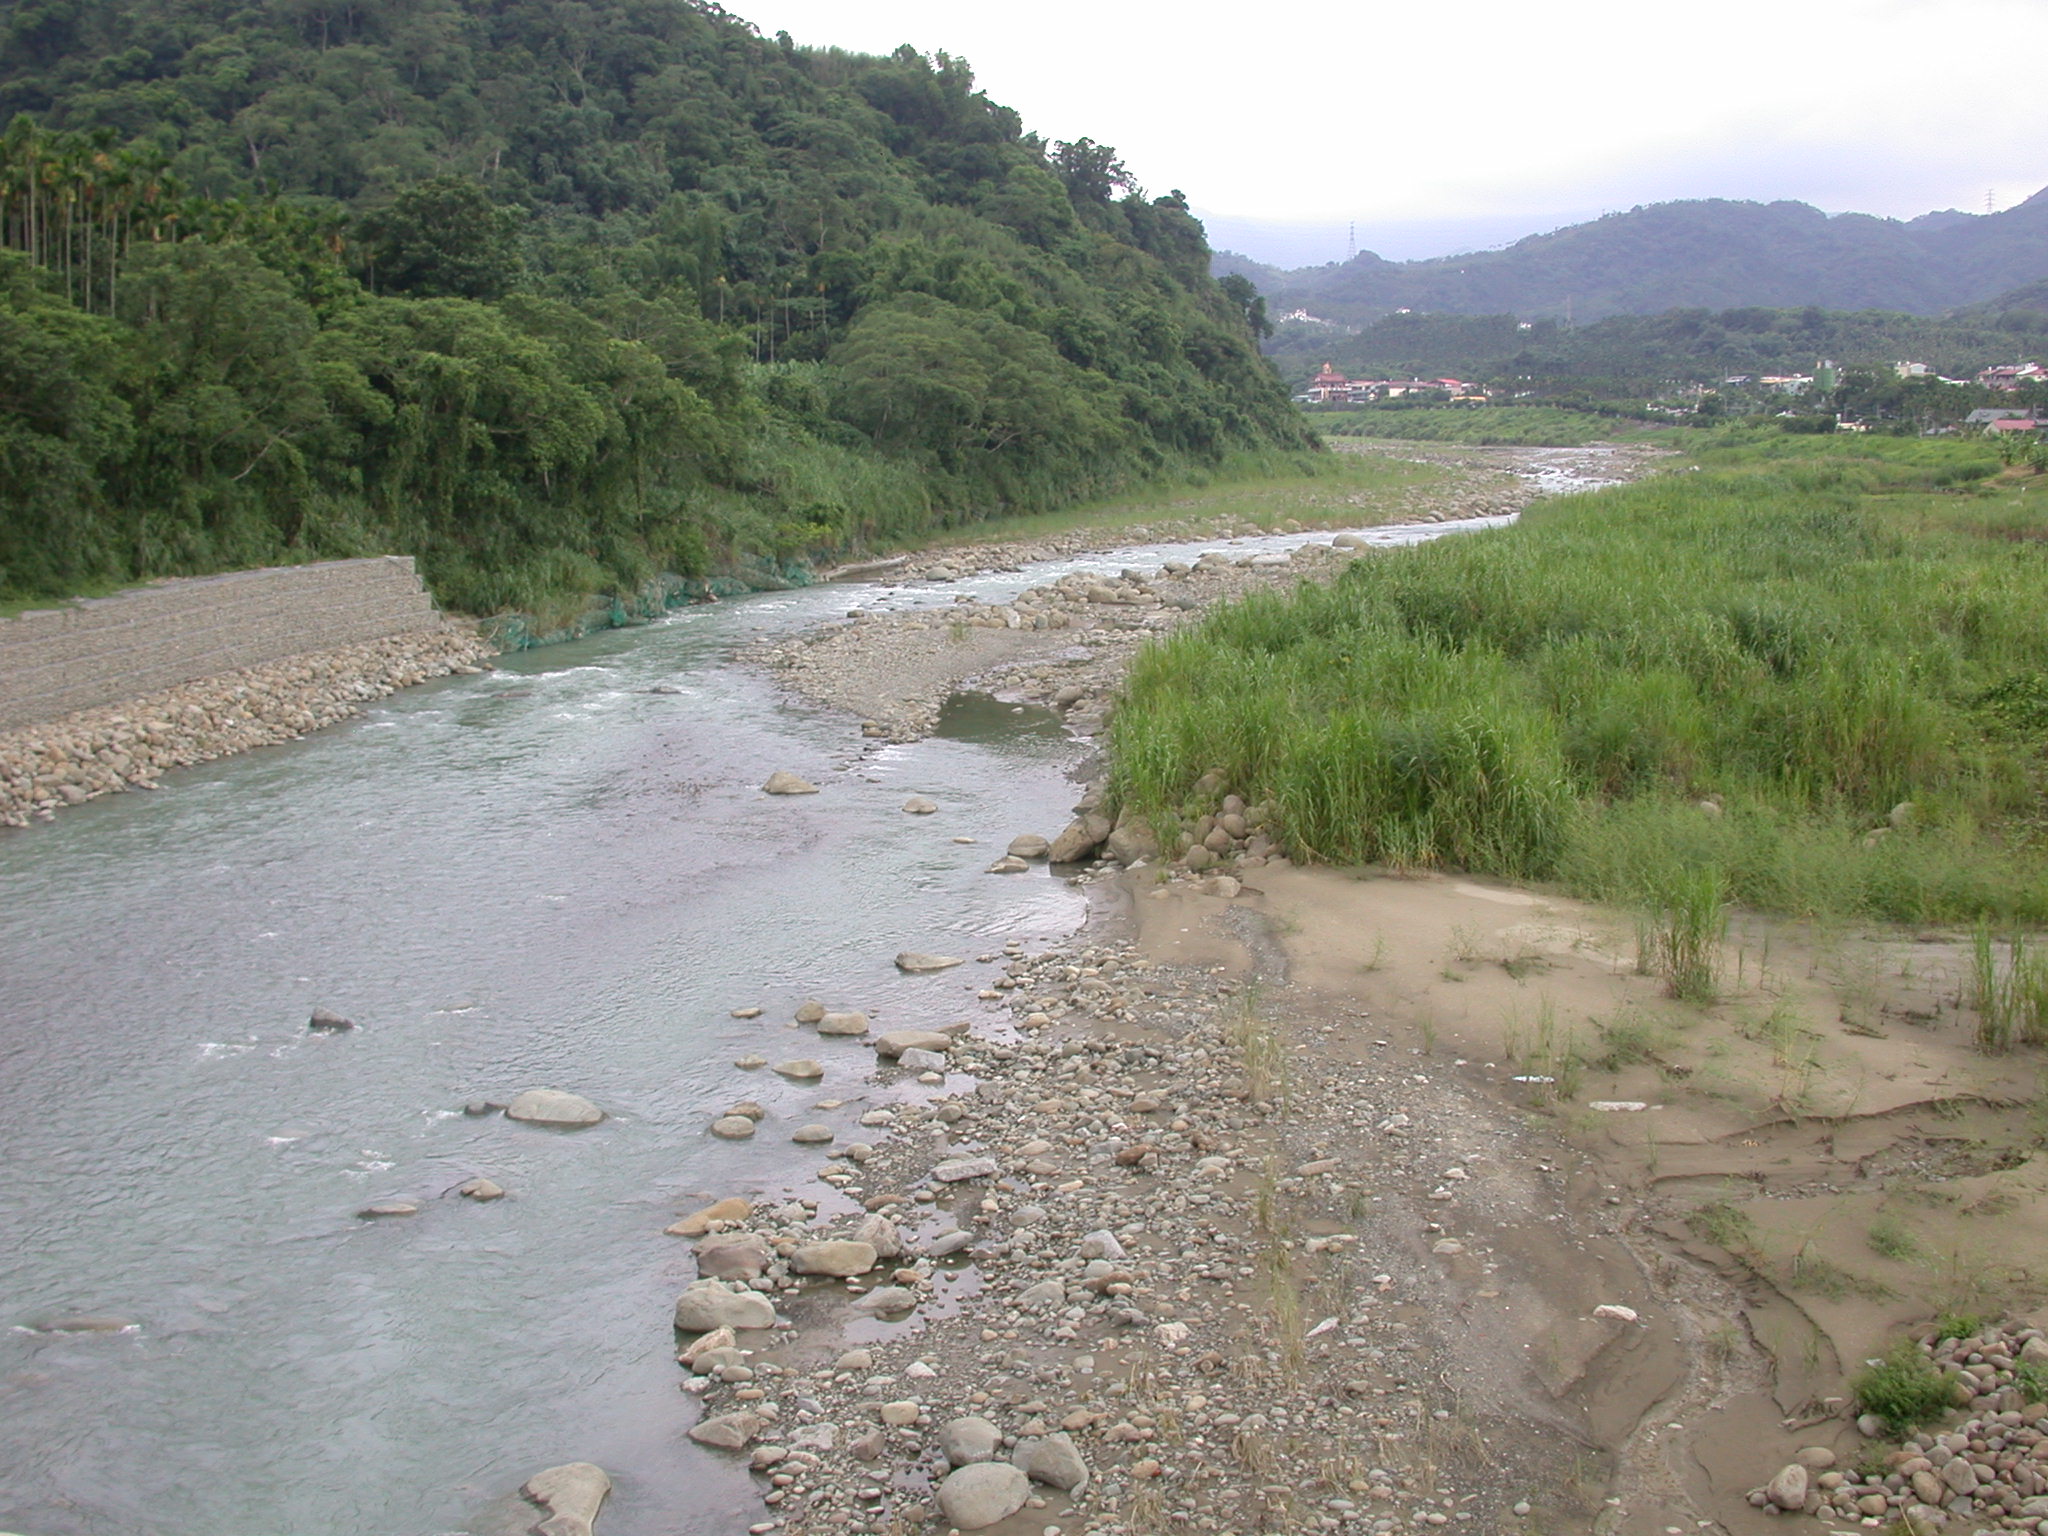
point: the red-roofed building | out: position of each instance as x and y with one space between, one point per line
2012 376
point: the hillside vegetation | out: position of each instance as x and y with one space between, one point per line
1809 633
559 295
1701 254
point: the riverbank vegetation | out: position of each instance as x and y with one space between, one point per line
560 297
1248 490
1811 670
1504 426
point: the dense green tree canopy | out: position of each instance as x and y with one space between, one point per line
558 292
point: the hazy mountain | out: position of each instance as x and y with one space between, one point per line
1711 254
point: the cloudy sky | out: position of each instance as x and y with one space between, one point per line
1454 126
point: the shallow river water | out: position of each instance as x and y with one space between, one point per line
547 875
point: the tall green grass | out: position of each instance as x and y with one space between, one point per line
1809 638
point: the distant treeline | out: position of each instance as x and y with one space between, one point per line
556 295
1637 354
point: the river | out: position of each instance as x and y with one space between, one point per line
552 874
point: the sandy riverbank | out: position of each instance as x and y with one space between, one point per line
1336 1200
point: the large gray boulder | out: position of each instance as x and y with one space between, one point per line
728 1431
970 1440
838 1258
551 1106
1055 1461
915 963
977 1496
1083 835
572 1494
742 1257
708 1304
882 1235
562 1501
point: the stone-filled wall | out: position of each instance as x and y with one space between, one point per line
56 661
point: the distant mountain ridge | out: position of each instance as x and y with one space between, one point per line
1709 253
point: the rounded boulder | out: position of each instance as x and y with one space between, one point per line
839 1257
551 1106
976 1496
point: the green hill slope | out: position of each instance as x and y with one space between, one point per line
556 295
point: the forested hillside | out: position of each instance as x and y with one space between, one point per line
1709 253
559 293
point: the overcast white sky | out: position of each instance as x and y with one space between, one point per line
1463 123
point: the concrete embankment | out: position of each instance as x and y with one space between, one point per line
107 694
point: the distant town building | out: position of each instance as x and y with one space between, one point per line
2013 424
1303 317
1329 387
1911 370
1984 416
2012 376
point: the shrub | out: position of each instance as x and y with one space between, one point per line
1904 1389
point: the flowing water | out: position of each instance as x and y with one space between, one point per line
547 875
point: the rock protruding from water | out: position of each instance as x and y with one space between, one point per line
1083 835
719 1213
918 805
572 1494
481 1189
839 1258
782 782
850 1021
1029 845
728 1431
742 1257
83 1322
897 1041
551 1106
916 964
708 1304
976 1496
328 1020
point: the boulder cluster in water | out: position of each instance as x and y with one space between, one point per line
130 745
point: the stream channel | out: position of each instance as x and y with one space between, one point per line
545 875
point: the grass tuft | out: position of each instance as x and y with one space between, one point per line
1904 1390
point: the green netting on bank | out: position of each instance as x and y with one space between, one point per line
525 632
